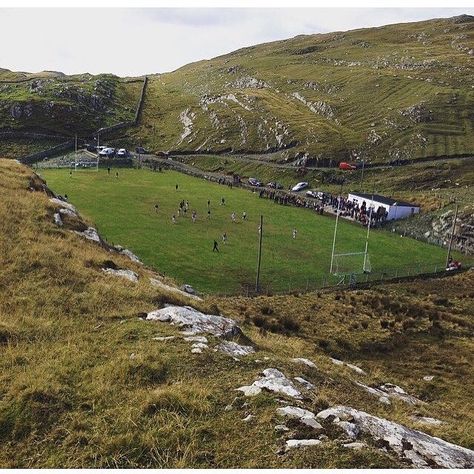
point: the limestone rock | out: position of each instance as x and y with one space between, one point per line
355 445
422 449
202 339
164 338
57 219
299 443
194 321
304 361
234 349
306 417
128 253
426 420
90 234
351 366
67 212
128 274
64 204
188 289
390 391
250 390
306 384
274 381
200 345
159 284
395 391
351 429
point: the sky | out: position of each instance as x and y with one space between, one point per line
137 41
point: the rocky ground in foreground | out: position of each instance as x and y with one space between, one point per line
105 363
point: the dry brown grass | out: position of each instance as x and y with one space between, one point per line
83 383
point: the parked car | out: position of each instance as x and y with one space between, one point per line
300 186
275 185
91 148
347 166
122 152
316 194
107 152
140 150
255 182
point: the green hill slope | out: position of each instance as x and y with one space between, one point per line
393 92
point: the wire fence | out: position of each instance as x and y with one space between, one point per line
343 281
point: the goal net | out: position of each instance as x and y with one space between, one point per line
351 263
85 162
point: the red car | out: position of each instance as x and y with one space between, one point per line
346 166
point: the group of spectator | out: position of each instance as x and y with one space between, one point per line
360 213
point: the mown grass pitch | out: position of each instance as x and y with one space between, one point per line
123 210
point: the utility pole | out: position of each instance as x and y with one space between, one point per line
335 233
259 259
452 235
364 268
75 143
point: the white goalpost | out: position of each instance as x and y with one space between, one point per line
86 162
351 262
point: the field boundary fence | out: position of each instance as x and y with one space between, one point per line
347 281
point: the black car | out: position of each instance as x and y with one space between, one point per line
140 150
91 148
255 182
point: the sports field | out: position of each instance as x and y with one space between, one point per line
123 210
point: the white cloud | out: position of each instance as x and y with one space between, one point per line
138 41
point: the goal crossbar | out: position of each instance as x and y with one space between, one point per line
351 263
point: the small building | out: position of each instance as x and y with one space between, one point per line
395 209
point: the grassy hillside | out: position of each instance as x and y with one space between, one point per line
84 384
64 105
394 92
123 210
400 91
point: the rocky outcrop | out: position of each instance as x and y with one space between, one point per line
195 322
128 253
274 381
233 349
389 391
305 417
302 360
418 113
159 284
420 449
351 366
127 274
90 234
